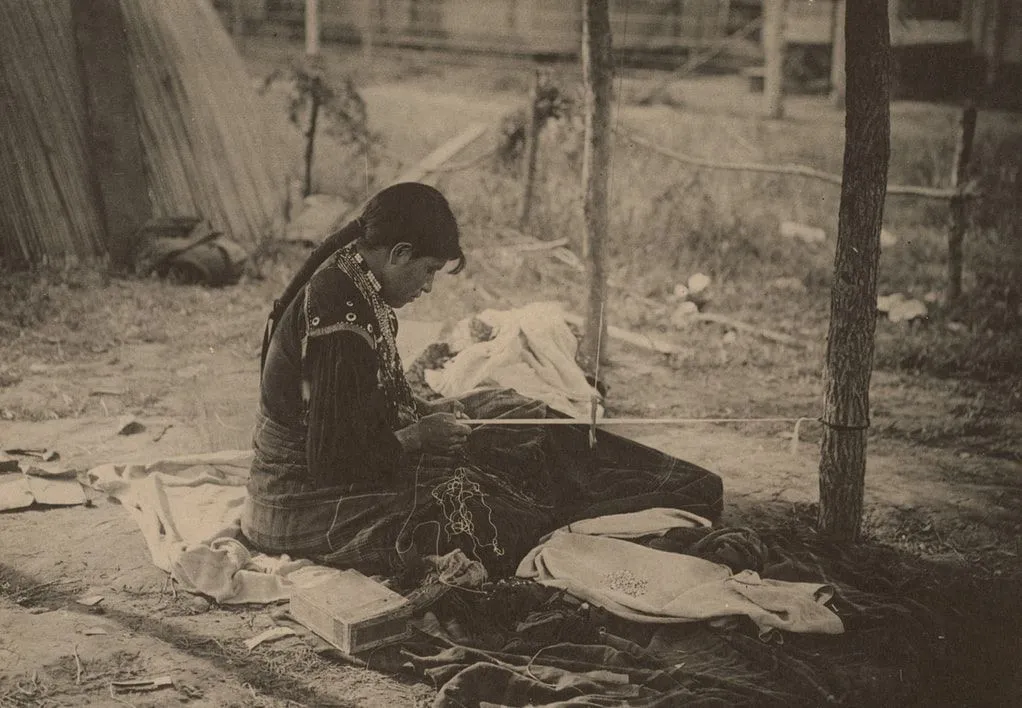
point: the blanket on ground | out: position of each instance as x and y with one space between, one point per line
188 511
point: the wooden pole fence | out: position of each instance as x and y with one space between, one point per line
964 192
959 169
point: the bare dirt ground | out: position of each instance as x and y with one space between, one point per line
184 361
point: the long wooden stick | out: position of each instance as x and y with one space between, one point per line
622 421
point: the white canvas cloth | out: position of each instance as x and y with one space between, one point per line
532 350
188 509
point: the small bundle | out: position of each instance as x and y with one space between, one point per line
186 249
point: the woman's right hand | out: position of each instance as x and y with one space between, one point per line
437 434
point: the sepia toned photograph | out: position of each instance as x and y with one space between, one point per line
510 353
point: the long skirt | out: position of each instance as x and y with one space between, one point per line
512 485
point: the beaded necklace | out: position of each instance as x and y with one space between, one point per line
390 372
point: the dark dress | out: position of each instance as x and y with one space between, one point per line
331 482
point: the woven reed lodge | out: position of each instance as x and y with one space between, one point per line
117 111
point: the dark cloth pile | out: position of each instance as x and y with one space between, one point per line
517 643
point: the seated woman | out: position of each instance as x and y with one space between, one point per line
352 470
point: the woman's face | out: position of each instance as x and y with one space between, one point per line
406 277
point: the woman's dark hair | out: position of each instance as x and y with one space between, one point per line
413 213
409 211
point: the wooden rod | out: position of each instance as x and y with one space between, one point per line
623 421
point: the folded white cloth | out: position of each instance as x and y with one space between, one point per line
647 585
532 350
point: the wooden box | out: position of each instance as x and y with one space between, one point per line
352 612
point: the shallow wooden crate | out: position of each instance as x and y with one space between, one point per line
352 612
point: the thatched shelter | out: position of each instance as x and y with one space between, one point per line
82 170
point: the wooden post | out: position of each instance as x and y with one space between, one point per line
238 20
531 150
995 60
837 56
310 134
598 72
368 30
850 338
312 28
959 169
116 154
773 50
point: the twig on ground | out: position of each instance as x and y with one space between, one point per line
639 340
26 593
221 422
113 695
78 666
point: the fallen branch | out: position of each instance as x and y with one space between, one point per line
463 165
536 245
430 164
78 666
640 340
436 159
945 194
770 334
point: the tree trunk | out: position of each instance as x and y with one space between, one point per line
598 70
773 50
531 151
115 141
959 170
837 56
312 28
853 295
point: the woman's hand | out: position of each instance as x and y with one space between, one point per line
437 434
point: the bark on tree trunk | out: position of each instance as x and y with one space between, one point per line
598 71
773 49
853 296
